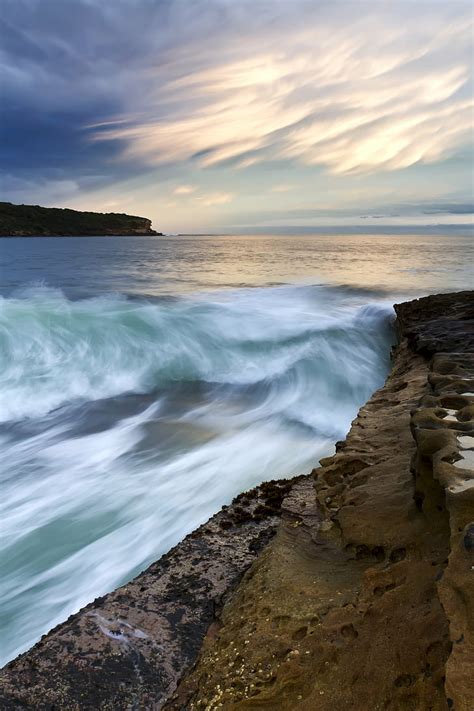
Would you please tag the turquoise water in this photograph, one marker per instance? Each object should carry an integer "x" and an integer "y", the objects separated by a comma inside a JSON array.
[{"x": 146, "y": 381}]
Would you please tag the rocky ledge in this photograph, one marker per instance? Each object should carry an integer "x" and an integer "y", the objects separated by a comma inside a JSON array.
[{"x": 358, "y": 586}]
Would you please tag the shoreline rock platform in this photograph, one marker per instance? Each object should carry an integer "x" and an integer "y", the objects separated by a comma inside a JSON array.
[{"x": 349, "y": 588}]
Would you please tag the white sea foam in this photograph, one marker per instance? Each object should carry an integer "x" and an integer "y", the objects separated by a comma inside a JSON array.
[{"x": 127, "y": 423}]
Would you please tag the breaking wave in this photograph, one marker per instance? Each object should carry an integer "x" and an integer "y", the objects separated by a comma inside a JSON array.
[{"x": 126, "y": 423}]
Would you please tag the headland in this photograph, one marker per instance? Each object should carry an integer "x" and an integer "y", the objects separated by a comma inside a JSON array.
[{"x": 36, "y": 221}]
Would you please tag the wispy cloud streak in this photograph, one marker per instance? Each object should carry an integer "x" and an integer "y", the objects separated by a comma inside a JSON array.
[{"x": 373, "y": 94}]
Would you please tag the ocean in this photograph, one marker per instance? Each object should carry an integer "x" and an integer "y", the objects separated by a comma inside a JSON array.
[{"x": 144, "y": 382}]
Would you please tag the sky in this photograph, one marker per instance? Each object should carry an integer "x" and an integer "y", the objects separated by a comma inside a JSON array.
[{"x": 240, "y": 115}]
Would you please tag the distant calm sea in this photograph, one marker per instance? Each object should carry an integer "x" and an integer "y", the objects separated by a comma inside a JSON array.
[{"x": 144, "y": 382}]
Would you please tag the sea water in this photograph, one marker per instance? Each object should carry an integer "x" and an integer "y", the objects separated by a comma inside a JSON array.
[{"x": 144, "y": 382}]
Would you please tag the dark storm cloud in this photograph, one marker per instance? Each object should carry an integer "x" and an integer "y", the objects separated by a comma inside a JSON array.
[{"x": 66, "y": 65}]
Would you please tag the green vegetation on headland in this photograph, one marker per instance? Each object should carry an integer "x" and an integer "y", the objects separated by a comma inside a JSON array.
[{"x": 36, "y": 221}]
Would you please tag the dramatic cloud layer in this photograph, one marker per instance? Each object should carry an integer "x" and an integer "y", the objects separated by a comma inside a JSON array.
[
  {"x": 236, "y": 107},
  {"x": 355, "y": 99}
]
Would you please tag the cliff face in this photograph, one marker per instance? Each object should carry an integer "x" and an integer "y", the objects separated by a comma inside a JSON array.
[
  {"x": 36, "y": 221},
  {"x": 362, "y": 599}
]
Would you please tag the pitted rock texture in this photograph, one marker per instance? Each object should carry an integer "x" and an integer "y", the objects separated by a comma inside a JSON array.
[
  {"x": 443, "y": 428},
  {"x": 364, "y": 598},
  {"x": 127, "y": 650}
]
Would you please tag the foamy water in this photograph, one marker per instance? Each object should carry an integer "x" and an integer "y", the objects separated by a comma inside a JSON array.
[{"x": 126, "y": 421}]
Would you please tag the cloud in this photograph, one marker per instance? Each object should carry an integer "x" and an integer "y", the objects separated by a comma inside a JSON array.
[
  {"x": 215, "y": 199},
  {"x": 104, "y": 100},
  {"x": 377, "y": 93},
  {"x": 45, "y": 191},
  {"x": 449, "y": 209},
  {"x": 283, "y": 188},
  {"x": 184, "y": 190},
  {"x": 406, "y": 211}
]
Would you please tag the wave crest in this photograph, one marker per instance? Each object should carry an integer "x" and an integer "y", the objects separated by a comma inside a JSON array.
[{"x": 55, "y": 351}]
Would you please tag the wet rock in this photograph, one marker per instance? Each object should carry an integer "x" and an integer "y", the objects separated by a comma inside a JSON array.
[{"x": 132, "y": 646}]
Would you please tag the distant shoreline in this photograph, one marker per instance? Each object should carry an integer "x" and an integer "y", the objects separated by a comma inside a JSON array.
[
  {"x": 36, "y": 221},
  {"x": 123, "y": 234},
  {"x": 388, "y": 231}
]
